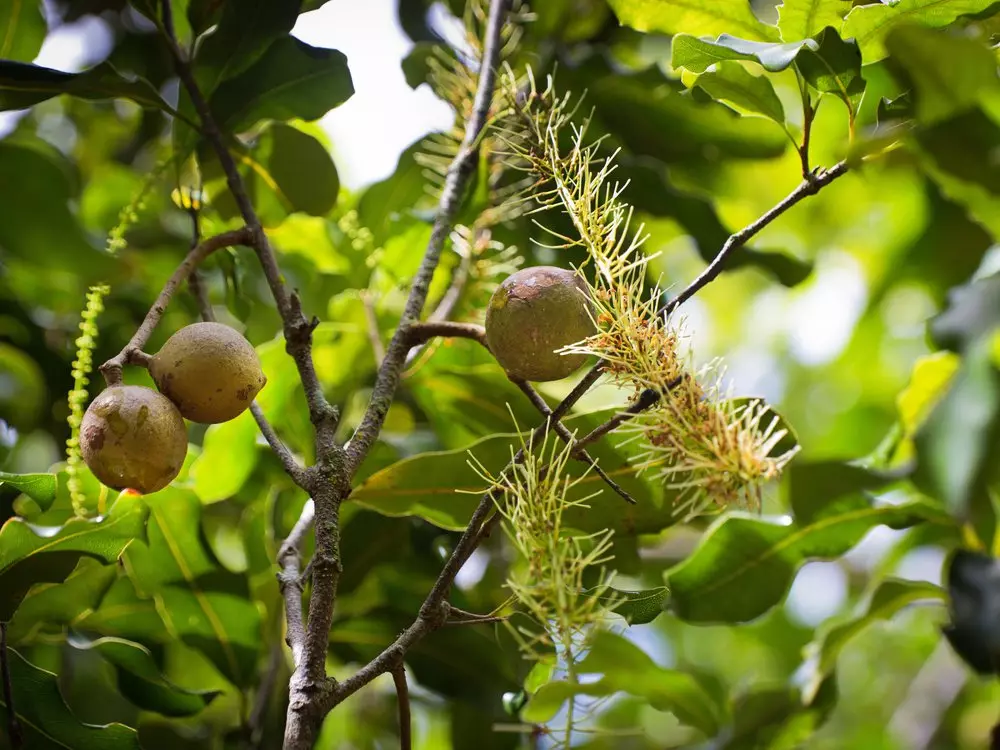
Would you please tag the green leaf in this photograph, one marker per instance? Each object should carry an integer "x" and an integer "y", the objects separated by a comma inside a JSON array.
[
  {"x": 626, "y": 668},
  {"x": 207, "y": 607},
  {"x": 698, "y": 17},
  {"x": 744, "y": 565},
  {"x": 731, "y": 82},
  {"x": 974, "y": 595},
  {"x": 442, "y": 488},
  {"x": 969, "y": 78},
  {"x": 973, "y": 312},
  {"x": 122, "y": 613},
  {"x": 640, "y": 607},
  {"x": 954, "y": 149},
  {"x": 245, "y": 31},
  {"x": 834, "y": 67},
  {"x": 31, "y": 554},
  {"x": 23, "y": 85},
  {"x": 890, "y": 597},
  {"x": 697, "y": 55},
  {"x": 39, "y": 487},
  {"x": 60, "y": 604},
  {"x": 47, "y": 721},
  {"x": 228, "y": 458},
  {"x": 802, "y": 19},
  {"x": 140, "y": 679},
  {"x": 957, "y": 447},
  {"x": 652, "y": 115},
  {"x": 291, "y": 80},
  {"x": 287, "y": 170},
  {"x": 814, "y": 486},
  {"x": 870, "y": 24},
  {"x": 22, "y": 30}
]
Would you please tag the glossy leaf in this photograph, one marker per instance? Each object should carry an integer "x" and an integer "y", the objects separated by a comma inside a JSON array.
[
  {"x": 700, "y": 17},
  {"x": 743, "y": 565},
  {"x": 640, "y": 607},
  {"x": 140, "y": 679},
  {"x": 697, "y": 55},
  {"x": 47, "y": 721},
  {"x": 626, "y": 668},
  {"x": 957, "y": 454},
  {"x": 23, "y": 30},
  {"x": 941, "y": 91},
  {"x": 730, "y": 82},
  {"x": 869, "y": 24},
  {"x": 244, "y": 33},
  {"x": 31, "y": 554},
  {"x": 61, "y": 604},
  {"x": 205, "y": 606},
  {"x": 891, "y": 596},
  {"x": 39, "y": 487},
  {"x": 291, "y": 80},
  {"x": 974, "y": 601},
  {"x": 815, "y": 487},
  {"x": 802, "y": 19},
  {"x": 23, "y": 85},
  {"x": 834, "y": 67},
  {"x": 287, "y": 170},
  {"x": 442, "y": 488}
]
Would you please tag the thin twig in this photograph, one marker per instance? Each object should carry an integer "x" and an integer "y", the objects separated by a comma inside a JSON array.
[
  {"x": 403, "y": 701},
  {"x": 288, "y": 461},
  {"x": 13, "y": 724},
  {"x": 290, "y": 581},
  {"x": 646, "y": 399},
  {"x": 459, "y": 173},
  {"x": 809, "y": 186},
  {"x": 449, "y": 301},
  {"x": 255, "y": 722},
  {"x": 112, "y": 369},
  {"x": 578, "y": 451},
  {"x": 420, "y": 333}
]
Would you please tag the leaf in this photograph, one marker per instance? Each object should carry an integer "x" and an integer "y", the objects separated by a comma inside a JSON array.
[
  {"x": 640, "y": 607},
  {"x": 228, "y": 457},
  {"x": 834, "y": 67},
  {"x": 890, "y": 597},
  {"x": 697, "y": 55},
  {"x": 698, "y": 17},
  {"x": 291, "y": 80},
  {"x": 652, "y": 115},
  {"x": 802, "y": 19},
  {"x": 973, "y": 312},
  {"x": 732, "y": 83},
  {"x": 974, "y": 603},
  {"x": 47, "y": 721},
  {"x": 39, "y": 487},
  {"x": 954, "y": 150},
  {"x": 870, "y": 24},
  {"x": 123, "y": 614},
  {"x": 140, "y": 680},
  {"x": 287, "y": 170},
  {"x": 31, "y": 554},
  {"x": 22, "y": 30},
  {"x": 813, "y": 487},
  {"x": 940, "y": 91},
  {"x": 60, "y": 604},
  {"x": 442, "y": 488},
  {"x": 626, "y": 668},
  {"x": 744, "y": 565},
  {"x": 205, "y": 606},
  {"x": 23, "y": 85},
  {"x": 957, "y": 447},
  {"x": 245, "y": 31}
]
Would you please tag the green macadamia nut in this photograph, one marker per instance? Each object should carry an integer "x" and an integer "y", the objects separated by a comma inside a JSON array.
[
  {"x": 531, "y": 315},
  {"x": 133, "y": 438},
  {"x": 209, "y": 370}
]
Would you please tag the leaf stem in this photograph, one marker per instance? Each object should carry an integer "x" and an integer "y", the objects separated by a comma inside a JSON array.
[{"x": 403, "y": 701}]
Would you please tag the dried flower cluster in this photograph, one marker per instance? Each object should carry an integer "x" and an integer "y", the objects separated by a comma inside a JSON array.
[{"x": 714, "y": 451}]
